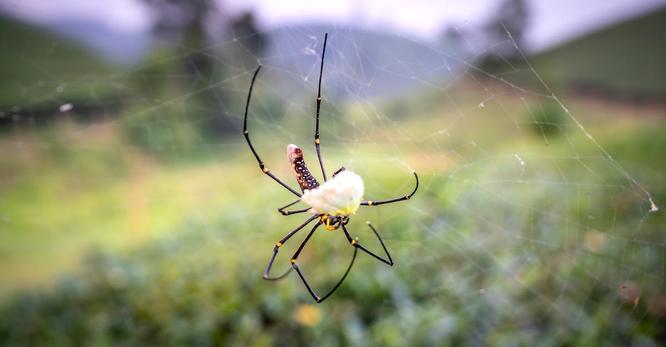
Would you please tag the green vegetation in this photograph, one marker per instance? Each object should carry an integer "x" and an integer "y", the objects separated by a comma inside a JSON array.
[
  {"x": 158, "y": 129},
  {"x": 485, "y": 254},
  {"x": 41, "y": 70},
  {"x": 146, "y": 228},
  {"x": 627, "y": 58},
  {"x": 547, "y": 119}
]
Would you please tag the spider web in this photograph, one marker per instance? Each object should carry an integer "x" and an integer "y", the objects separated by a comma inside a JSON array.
[{"x": 514, "y": 214}]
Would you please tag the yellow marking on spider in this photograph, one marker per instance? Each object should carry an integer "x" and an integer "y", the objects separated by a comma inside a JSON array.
[
  {"x": 369, "y": 203},
  {"x": 353, "y": 242},
  {"x": 246, "y": 132},
  {"x": 316, "y": 141},
  {"x": 327, "y": 223},
  {"x": 293, "y": 261},
  {"x": 265, "y": 170},
  {"x": 278, "y": 244}
]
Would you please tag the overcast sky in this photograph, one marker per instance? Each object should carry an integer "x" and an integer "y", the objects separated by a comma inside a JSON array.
[{"x": 551, "y": 21}]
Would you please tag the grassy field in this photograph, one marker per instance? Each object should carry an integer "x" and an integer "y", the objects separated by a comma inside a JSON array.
[
  {"x": 613, "y": 59},
  {"x": 520, "y": 234}
]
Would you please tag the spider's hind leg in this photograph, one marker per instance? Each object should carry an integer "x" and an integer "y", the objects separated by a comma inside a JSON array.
[
  {"x": 318, "y": 101},
  {"x": 246, "y": 134}
]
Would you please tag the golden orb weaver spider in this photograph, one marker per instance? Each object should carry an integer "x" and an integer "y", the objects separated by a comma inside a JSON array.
[{"x": 331, "y": 203}]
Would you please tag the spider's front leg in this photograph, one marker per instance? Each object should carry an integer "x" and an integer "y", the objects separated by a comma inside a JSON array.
[
  {"x": 388, "y": 201},
  {"x": 294, "y": 265},
  {"x": 276, "y": 249},
  {"x": 354, "y": 242}
]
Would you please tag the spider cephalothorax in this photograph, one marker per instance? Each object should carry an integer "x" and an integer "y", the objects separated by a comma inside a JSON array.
[{"x": 330, "y": 203}]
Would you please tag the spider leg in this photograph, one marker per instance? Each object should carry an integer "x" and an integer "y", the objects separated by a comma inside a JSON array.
[
  {"x": 316, "y": 140},
  {"x": 357, "y": 245},
  {"x": 342, "y": 168},
  {"x": 276, "y": 249},
  {"x": 287, "y": 213},
  {"x": 294, "y": 265},
  {"x": 246, "y": 133},
  {"x": 388, "y": 201}
]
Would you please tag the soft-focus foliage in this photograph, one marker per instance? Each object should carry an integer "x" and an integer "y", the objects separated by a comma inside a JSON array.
[
  {"x": 536, "y": 222},
  {"x": 547, "y": 119},
  {"x": 469, "y": 271}
]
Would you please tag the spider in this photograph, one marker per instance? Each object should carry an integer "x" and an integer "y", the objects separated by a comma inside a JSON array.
[{"x": 331, "y": 203}]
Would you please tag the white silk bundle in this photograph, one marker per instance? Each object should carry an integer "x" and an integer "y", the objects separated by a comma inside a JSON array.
[{"x": 339, "y": 196}]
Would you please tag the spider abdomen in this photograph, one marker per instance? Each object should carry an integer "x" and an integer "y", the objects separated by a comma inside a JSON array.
[{"x": 305, "y": 179}]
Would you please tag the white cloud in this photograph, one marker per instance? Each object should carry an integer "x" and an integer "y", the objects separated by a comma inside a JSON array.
[
  {"x": 552, "y": 21},
  {"x": 424, "y": 18}
]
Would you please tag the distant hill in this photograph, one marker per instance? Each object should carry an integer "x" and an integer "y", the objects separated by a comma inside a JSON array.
[
  {"x": 115, "y": 46},
  {"x": 42, "y": 70},
  {"x": 359, "y": 63},
  {"x": 628, "y": 58}
]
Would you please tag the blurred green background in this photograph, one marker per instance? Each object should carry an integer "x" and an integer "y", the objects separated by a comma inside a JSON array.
[{"x": 133, "y": 213}]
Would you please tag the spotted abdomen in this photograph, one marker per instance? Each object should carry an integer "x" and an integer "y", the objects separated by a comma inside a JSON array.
[{"x": 300, "y": 170}]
